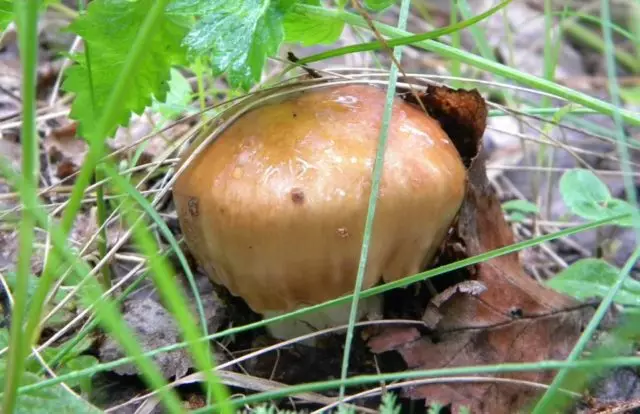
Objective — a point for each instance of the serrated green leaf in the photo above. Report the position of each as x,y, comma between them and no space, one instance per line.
522,206
307,30
237,36
378,5
108,28
591,278
47,400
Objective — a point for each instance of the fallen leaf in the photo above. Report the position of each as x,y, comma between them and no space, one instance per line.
432,314
501,315
155,327
65,150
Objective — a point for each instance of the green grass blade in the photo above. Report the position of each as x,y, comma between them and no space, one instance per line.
344,299
360,380
96,149
548,399
373,197
170,291
402,40
551,401
497,69
92,294
26,13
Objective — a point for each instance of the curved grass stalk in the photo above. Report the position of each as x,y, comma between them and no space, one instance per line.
27,22
340,301
498,69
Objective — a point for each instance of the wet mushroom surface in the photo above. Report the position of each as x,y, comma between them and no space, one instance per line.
274,208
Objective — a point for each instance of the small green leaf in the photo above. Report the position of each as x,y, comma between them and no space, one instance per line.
589,278
307,30
109,27
237,36
522,206
588,197
378,5
178,98
516,217
78,364
47,400
389,405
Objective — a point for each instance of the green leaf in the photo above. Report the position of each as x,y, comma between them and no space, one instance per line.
77,364
47,400
178,98
299,27
6,13
62,316
108,28
588,197
522,206
516,217
237,36
589,278
389,405
378,5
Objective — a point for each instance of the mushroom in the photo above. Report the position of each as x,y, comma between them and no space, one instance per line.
274,208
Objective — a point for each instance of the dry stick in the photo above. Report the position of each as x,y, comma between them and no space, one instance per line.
239,380
292,341
426,381
65,64
386,48
103,261
82,314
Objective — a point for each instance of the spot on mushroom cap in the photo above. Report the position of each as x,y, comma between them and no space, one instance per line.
282,195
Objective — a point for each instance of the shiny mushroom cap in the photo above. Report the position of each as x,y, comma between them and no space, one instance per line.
274,209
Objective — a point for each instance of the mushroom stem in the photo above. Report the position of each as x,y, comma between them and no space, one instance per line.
330,317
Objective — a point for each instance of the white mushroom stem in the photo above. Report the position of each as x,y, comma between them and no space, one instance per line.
338,315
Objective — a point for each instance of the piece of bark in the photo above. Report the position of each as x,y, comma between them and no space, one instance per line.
514,319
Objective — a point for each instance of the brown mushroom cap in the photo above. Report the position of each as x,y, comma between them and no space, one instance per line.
274,209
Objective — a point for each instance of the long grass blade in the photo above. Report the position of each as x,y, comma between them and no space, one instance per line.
26,13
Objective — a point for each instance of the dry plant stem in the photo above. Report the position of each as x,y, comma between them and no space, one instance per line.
47,117
62,331
558,169
237,380
442,380
389,51
497,85
56,87
574,151
288,342
106,258
130,275
65,190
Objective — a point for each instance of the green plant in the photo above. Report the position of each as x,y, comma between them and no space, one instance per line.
132,52
588,197
519,209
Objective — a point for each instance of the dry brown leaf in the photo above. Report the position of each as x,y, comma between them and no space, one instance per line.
512,319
